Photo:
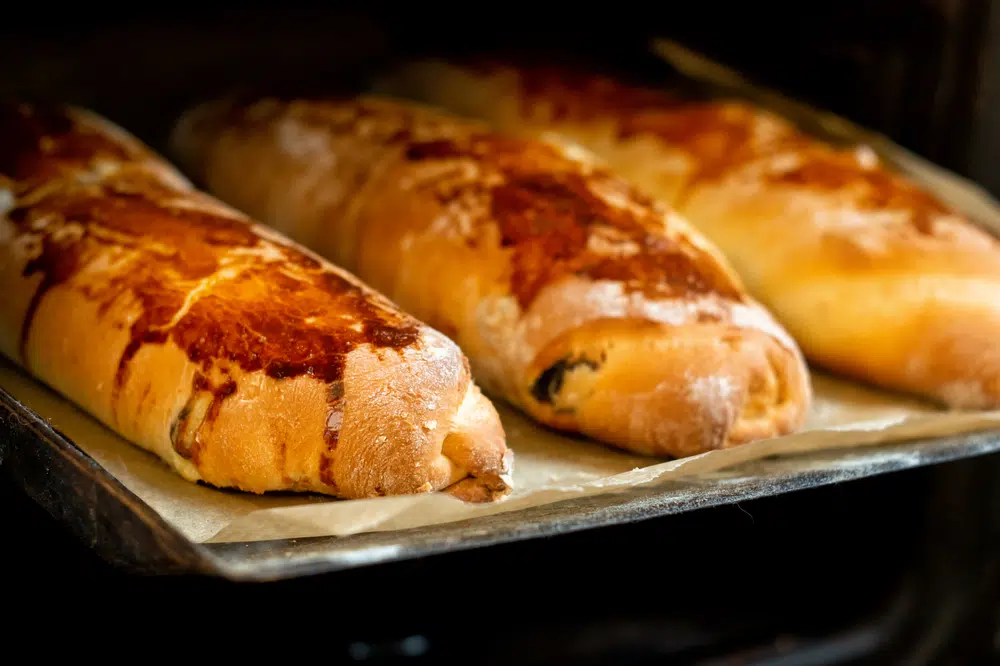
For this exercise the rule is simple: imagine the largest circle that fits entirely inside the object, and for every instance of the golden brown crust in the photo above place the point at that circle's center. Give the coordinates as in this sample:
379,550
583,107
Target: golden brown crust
868,271
558,220
525,254
238,357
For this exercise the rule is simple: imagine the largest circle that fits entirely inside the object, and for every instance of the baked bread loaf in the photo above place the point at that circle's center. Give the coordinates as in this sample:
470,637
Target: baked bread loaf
239,358
575,297
873,276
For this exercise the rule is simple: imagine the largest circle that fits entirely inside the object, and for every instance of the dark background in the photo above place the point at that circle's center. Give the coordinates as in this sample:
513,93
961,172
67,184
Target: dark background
926,72
897,569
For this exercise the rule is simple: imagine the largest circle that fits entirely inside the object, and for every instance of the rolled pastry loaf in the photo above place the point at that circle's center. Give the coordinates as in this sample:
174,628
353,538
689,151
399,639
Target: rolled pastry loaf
575,297
239,358
873,276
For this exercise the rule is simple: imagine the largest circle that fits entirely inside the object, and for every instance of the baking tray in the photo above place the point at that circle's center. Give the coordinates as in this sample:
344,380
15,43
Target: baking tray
125,531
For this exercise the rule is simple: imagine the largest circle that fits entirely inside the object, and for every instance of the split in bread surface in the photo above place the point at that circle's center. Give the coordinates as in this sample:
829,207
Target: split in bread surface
576,297
236,356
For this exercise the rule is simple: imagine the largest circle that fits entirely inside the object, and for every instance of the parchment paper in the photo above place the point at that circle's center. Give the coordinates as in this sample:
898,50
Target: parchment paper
549,467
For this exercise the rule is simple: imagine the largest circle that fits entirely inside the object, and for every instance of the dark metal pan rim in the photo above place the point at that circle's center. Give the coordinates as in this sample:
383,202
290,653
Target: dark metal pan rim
147,543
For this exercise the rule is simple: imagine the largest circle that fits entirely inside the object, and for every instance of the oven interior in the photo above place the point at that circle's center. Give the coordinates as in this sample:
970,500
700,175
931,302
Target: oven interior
895,569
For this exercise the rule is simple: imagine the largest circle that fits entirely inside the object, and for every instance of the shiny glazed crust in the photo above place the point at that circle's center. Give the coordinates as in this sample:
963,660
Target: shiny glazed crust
239,358
873,276
574,296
